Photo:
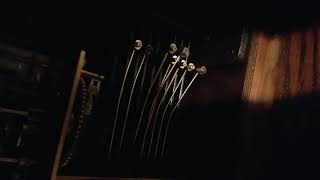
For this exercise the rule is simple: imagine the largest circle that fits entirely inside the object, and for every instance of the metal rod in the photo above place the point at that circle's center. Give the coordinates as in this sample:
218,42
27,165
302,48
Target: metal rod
148,94
119,100
141,87
154,104
14,111
158,93
163,115
161,77
161,101
171,113
130,97
166,86
174,86
182,84
164,80
166,73
93,75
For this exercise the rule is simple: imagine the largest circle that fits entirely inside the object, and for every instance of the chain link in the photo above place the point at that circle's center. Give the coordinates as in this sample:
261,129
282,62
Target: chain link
81,120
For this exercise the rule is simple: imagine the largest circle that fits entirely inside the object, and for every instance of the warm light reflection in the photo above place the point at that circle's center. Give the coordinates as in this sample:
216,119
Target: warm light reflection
281,66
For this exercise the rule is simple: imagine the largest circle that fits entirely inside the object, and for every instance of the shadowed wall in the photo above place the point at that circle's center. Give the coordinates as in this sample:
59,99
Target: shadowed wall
281,92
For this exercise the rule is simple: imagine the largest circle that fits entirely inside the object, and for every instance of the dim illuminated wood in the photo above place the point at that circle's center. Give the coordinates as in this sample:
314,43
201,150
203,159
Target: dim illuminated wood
93,75
67,117
317,72
295,41
279,60
308,61
281,83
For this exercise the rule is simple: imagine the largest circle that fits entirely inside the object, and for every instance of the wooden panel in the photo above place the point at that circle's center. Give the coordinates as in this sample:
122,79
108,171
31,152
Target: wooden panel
295,40
282,77
258,57
269,66
265,68
317,61
308,62
273,66
66,122
250,68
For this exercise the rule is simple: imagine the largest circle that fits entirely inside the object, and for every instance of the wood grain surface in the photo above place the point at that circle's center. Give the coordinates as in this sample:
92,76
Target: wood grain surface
281,95
276,60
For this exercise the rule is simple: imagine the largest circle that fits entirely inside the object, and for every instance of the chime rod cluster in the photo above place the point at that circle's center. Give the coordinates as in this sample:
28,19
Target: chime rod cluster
148,51
184,64
149,120
162,83
172,50
200,71
185,52
159,106
190,67
137,47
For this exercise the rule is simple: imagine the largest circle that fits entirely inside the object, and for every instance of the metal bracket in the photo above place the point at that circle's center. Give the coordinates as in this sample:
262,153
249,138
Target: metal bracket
93,89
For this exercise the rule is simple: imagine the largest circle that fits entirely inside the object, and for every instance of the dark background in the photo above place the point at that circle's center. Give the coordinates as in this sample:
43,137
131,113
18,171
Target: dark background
206,141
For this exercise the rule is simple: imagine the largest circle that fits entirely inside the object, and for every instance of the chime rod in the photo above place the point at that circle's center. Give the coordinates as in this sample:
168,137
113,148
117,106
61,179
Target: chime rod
161,77
171,113
175,88
185,52
172,49
175,82
137,46
190,68
146,55
166,86
147,97
200,71
183,62
145,134
145,66
186,62
166,76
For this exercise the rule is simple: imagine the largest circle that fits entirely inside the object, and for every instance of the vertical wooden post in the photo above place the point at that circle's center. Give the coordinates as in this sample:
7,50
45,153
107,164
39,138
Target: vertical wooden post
68,112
